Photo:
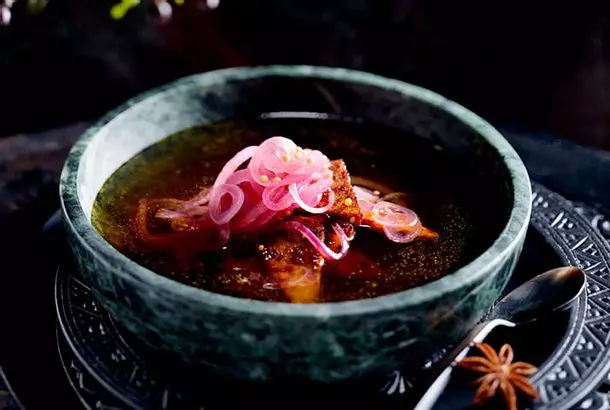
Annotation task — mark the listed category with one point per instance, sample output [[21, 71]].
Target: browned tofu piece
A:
[[346, 204], [294, 262]]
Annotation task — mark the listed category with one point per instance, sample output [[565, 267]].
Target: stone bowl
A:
[[258, 340]]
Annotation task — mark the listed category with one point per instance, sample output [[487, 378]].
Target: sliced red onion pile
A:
[[279, 177], [261, 182], [399, 223]]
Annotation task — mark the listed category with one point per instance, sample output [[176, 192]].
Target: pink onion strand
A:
[[223, 216], [320, 246], [234, 163], [392, 215], [364, 194], [399, 224], [296, 197], [402, 235]]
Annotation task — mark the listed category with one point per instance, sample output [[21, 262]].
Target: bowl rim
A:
[[505, 243]]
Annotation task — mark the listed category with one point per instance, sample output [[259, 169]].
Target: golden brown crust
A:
[[346, 204]]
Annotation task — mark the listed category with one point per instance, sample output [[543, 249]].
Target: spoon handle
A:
[[442, 374]]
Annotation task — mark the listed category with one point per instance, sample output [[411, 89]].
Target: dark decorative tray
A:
[[122, 372], [109, 370]]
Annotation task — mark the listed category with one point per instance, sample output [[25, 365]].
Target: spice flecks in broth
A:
[[311, 246]]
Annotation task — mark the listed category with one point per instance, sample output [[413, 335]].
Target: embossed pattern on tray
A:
[[583, 360]]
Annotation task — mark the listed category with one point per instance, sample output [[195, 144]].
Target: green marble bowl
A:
[[260, 340]]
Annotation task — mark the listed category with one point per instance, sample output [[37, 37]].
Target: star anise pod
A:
[[499, 372]]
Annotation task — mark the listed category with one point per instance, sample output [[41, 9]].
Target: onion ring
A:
[[222, 217]]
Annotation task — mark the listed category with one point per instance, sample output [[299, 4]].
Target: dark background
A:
[[538, 65]]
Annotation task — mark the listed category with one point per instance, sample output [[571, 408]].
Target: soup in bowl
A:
[[295, 221]]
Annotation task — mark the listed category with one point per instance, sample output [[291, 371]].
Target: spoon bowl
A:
[[550, 292]]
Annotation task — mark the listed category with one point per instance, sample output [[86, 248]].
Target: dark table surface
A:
[[30, 165]]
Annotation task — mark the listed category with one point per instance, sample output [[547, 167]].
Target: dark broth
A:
[[376, 156]]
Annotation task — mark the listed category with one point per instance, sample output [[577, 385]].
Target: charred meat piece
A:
[[294, 263], [346, 204]]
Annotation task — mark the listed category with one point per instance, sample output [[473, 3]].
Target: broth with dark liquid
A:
[[377, 157]]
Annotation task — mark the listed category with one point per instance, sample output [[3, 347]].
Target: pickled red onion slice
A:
[[364, 194], [392, 215], [296, 196], [223, 216], [402, 235], [276, 198], [320, 246], [238, 177], [399, 223], [279, 160], [234, 163]]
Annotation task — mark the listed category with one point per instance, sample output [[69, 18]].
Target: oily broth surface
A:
[[384, 158]]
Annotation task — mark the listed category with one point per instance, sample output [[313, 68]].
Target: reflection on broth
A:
[[330, 211]]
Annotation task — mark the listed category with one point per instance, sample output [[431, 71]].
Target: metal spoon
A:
[[550, 292]]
